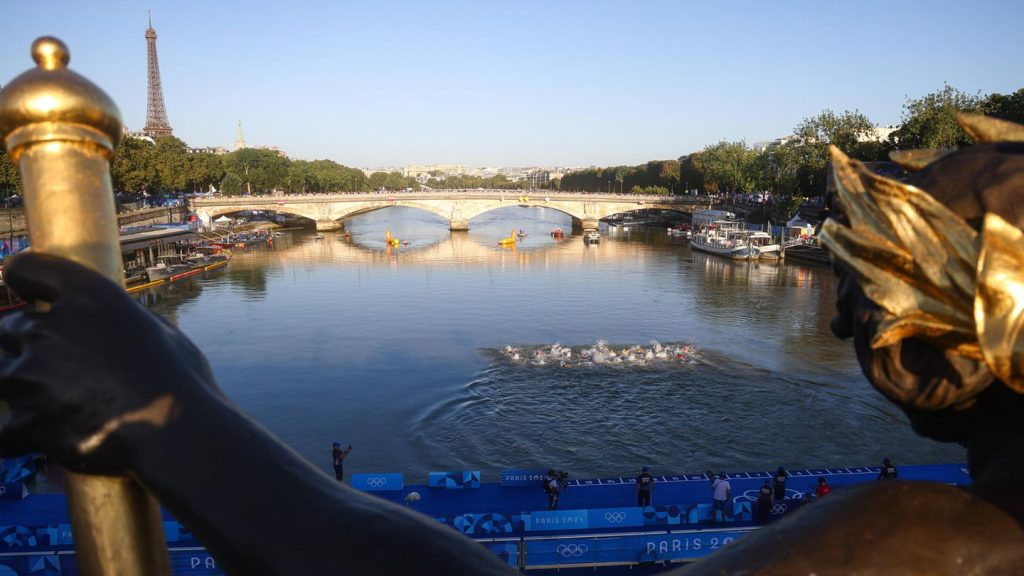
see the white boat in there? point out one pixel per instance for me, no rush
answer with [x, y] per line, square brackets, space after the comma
[591, 237]
[767, 248]
[725, 238]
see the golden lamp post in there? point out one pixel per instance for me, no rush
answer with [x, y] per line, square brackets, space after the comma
[60, 130]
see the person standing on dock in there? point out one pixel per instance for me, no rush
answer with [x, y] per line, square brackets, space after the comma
[553, 487]
[888, 471]
[644, 487]
[338, 456]
[823, 487]
[780, 483]
[721, 492]
[765, 501]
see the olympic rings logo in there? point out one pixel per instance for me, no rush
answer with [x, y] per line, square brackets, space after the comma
[569, 550]
[615, 517]
[378, 482]
[779, 509]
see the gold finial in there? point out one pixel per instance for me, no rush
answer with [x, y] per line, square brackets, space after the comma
[50, 53]
[53, 103]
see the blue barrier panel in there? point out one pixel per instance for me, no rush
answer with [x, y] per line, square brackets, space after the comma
[197, 562]
[484, 524]
[556, 520]
[615, 517]
[454, 480]
[664, 514]
[522, 477]
[13, 491]
[378, 482]
[507, 551]
[58, 535]
[30, 564]
[686, 545]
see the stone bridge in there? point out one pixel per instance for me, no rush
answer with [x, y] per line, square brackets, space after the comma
[457, 206]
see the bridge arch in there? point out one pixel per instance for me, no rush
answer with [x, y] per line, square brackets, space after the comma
[457, 206]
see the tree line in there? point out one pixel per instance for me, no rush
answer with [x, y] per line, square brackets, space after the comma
[792, 168]
[796, 166]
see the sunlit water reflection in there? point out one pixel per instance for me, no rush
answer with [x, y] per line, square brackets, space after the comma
[399, 352]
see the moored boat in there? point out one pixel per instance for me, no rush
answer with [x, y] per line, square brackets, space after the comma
[724, 238]
[167, 267]
[767, 248]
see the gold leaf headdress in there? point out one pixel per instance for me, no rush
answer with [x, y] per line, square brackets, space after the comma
[934, 276]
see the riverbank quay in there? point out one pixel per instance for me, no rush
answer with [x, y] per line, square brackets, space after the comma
[596, 526]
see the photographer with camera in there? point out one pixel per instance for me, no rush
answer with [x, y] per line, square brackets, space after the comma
[553, 484]
[338, 459]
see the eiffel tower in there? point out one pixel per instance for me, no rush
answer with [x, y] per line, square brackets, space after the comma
[157, 123]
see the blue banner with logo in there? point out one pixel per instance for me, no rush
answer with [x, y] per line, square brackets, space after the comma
[522, 477]
[556, 520]
[377, 482]
[615, 517]
[626, 549]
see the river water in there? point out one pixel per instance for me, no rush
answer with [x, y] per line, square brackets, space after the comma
[402, 352]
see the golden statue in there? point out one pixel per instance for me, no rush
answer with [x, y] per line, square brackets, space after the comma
[932, 292]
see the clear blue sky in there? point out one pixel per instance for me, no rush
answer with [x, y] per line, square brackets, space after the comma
[520, 82]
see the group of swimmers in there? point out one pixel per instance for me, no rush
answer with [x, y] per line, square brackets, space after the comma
[602, 354]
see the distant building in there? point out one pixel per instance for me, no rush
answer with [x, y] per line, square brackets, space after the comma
[423, 172]
[538, 178]
[239, 139]
[877, 134]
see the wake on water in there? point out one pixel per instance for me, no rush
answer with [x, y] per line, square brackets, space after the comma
[655, 355]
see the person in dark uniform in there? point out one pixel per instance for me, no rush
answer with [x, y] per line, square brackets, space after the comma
[338, 458]
[888, 471]
[765, 501]
[780, 483]
[644, 487]
[553, 487]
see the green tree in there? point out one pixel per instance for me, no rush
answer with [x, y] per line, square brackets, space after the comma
[231, 185]
[729, 166]
[9, 181]
[171, 162]
[777, 169]
[1006, 107]
[376, 180]
[930, 121]
[205, 169]
[134, 165]
[259, 170]
[846, 131]
[691, 171]
[851, 132]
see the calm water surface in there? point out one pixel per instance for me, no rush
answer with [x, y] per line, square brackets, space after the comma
[400, 352]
